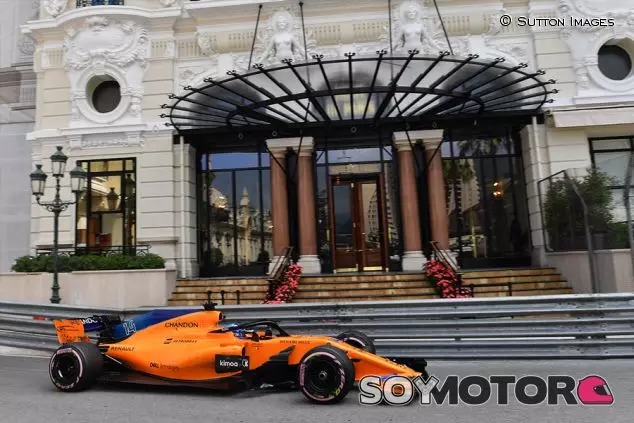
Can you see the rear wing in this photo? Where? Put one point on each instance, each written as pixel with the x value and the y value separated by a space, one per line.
pixel 111 327
pixel 69 331
pixel 74 330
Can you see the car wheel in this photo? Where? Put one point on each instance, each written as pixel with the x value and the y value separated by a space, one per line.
pixel 358 339
pixel 75 367
pixel 326 375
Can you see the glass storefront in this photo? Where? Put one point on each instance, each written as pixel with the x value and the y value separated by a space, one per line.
pixel 486 197
pixel 235 228
pixel 106 211
pixel 358 204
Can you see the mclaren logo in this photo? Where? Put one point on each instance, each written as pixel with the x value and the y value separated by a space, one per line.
pixel 181 325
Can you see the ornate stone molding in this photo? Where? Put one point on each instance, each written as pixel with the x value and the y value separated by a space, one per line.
pixel 169 3
pixel 163 48
pixel 194 74
pixel 101 41
pixel 100 47
pixel 206 43
pixel 27 43
pixel 54 7
pixel 512 50
pixel 585 41
pixel 99 141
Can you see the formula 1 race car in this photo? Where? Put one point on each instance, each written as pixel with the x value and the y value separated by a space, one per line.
pixel 198 348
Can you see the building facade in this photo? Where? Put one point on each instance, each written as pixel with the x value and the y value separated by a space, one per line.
pixel 222 190
pixel 17 116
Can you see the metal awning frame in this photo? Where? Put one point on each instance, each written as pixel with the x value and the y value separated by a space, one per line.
pixel 226 115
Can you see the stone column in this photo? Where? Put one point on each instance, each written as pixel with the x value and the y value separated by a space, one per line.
pixel 436 189
pixel 413 258
pixel 279 202
pixel 309 260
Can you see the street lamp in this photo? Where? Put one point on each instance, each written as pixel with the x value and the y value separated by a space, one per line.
pixel 57 206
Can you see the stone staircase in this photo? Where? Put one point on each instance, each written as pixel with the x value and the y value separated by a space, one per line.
pixel 516 282
pixel 194 291
pixel 374 286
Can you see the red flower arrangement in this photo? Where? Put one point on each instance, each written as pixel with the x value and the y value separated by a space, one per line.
pixel 444 280
pixel 285 291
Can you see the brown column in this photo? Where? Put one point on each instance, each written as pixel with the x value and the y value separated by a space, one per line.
pixel 309 260
pixel 279 198
pixel 437 198
pixel 413 258
pixel 409 198
pixel 307 230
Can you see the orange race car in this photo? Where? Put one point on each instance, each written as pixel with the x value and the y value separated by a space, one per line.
pixel 198 348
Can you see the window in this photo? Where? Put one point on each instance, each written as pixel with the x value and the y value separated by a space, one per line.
pixel 615 61
pixel 106 211
pixel 485 194
pixel 235 227
pixel 612 155
pixel 104 93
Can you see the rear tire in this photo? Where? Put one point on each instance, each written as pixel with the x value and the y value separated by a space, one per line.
pixel 326 375
pixel 359 340
pixel 75 367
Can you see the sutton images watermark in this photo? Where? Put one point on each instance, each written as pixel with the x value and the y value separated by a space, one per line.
pixel 569 21
pixel 478 390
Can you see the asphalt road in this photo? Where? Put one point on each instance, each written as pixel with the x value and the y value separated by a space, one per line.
pixel 27 396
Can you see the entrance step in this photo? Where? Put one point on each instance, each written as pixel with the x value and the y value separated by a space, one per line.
pixel 376 286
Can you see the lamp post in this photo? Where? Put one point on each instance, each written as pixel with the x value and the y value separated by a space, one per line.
pixel 57 206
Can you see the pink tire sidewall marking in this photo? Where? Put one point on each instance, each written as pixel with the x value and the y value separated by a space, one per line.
pixel 303 367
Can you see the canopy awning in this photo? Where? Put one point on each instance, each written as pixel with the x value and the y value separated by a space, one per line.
pixel 378 90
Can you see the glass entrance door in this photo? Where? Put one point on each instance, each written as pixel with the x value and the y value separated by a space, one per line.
pixel 358 214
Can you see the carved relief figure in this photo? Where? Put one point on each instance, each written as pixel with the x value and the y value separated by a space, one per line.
pixel 283 43
pixel 412 30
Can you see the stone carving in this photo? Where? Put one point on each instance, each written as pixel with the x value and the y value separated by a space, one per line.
pixel 107 47
pixel 136 96
pixel 188 76
pixel 102 41
pixel 513 51
pixel 282 39
pixel 27 44
pixel 495 27
pixel 54 7
pixel 206 43
pixel 168 3
pixel 414 28
pixel 412 31
pixel 585 41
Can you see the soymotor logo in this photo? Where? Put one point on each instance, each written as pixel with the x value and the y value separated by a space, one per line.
pixel 478 390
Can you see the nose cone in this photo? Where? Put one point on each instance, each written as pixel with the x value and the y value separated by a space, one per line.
pixel 594 390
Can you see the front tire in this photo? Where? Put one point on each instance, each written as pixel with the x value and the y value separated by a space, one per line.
pixel 326 375
pixel 358 339
pixel 75 367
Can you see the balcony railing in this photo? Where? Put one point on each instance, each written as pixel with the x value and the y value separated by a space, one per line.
pixel 87 3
